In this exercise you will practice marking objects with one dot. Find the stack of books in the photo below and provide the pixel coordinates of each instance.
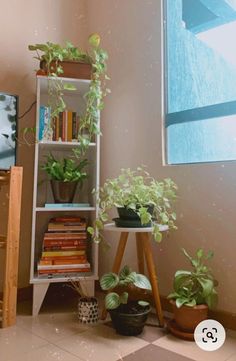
(64, 247)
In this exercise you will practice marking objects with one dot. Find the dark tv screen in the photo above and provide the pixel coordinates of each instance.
(8, 130)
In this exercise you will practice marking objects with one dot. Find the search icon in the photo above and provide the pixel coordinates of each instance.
(210, 335)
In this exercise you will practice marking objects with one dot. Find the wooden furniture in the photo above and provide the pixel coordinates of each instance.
(12, 183)
(42, 193)
(144, 251)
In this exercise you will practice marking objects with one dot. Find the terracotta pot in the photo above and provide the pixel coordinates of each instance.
(187, 318)
(72, 69)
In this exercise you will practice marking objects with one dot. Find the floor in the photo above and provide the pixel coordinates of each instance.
(55, 334)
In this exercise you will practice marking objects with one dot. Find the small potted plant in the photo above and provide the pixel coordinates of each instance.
(141, 201)
(87, 306)
(128, 317)
(194, 292)
(65, 174)
(55, 60)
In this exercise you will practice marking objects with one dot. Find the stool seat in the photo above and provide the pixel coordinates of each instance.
(144, 250)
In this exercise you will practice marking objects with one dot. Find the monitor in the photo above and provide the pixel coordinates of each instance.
(8, 130)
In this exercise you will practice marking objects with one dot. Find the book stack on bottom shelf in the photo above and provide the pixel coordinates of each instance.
(65, 246)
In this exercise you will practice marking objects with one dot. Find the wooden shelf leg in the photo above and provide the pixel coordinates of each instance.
(12, 248)
(117, 262)
(152, 275)
(39, 292)
(140, 255)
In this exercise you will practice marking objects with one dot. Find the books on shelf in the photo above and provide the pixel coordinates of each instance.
(63, 127)
(64, 248)
(67, 224)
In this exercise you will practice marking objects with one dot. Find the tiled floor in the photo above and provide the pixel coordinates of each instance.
(55, 334)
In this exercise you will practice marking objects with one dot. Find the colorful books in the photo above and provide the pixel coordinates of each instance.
(64, 247)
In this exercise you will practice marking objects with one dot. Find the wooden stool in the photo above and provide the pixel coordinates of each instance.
(143, 249)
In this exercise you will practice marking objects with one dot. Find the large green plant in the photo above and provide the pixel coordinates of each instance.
(126, 277)
(195, 287)
(65, 169)
(53, 54)
(137, 190)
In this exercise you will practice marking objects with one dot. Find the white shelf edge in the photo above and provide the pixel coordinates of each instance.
(91, 277)
(44, 77)
(53, 142)
(64, 209)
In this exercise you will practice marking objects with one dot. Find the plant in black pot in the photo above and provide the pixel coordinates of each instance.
(128, 317)
(141, 201)
(65, 175)
(194, 294)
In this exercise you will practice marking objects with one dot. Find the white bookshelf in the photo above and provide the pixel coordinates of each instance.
(42, 193)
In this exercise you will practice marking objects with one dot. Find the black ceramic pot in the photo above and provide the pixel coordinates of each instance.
(129, 324)
(129, 218)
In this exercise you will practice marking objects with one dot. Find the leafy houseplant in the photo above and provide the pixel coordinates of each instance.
(149, 200)
(128, 317)
(53, 56)
(194, 292)
(65, 174)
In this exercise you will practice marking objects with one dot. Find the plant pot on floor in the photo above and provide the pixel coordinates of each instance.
(63, 192)
(187, 318)
(129, 319)
(129, 218)
(88, 310)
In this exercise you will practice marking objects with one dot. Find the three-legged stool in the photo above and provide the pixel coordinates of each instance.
(143, 251)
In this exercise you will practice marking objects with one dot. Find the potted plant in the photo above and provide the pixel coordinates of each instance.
(141, 201)
(128, 317)
(65, 174)
(87, 306)
(194, 292)
(53, 57)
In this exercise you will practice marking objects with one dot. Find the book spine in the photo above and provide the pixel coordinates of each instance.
(74, 126)
(57, 227)
(63, 266)
(60, 125)
(65, 236)
(69, 125)
(68, 219)
(62, 253)
(67, 243)
(73, 270)
(41, 122)
(64, 258)
(64, 248)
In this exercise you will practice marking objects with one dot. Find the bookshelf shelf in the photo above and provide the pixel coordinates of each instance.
(44, 207)
(65, 209)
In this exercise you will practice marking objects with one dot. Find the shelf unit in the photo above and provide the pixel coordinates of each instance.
(42, 192)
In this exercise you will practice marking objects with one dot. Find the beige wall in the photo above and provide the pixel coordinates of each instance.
(24, 22)
(131, 123)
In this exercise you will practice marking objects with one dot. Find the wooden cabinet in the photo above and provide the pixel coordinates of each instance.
(42, 193)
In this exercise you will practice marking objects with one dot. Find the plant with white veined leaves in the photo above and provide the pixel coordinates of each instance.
(126, 277)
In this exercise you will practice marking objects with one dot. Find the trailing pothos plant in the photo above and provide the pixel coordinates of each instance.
(195, 287)
(53, 54)
(137, 190)
(126, 277)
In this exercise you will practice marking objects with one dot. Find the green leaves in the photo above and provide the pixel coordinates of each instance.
(126, 277)
(197, 286)
(65, 169)
(150, 199)
(109, 281)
